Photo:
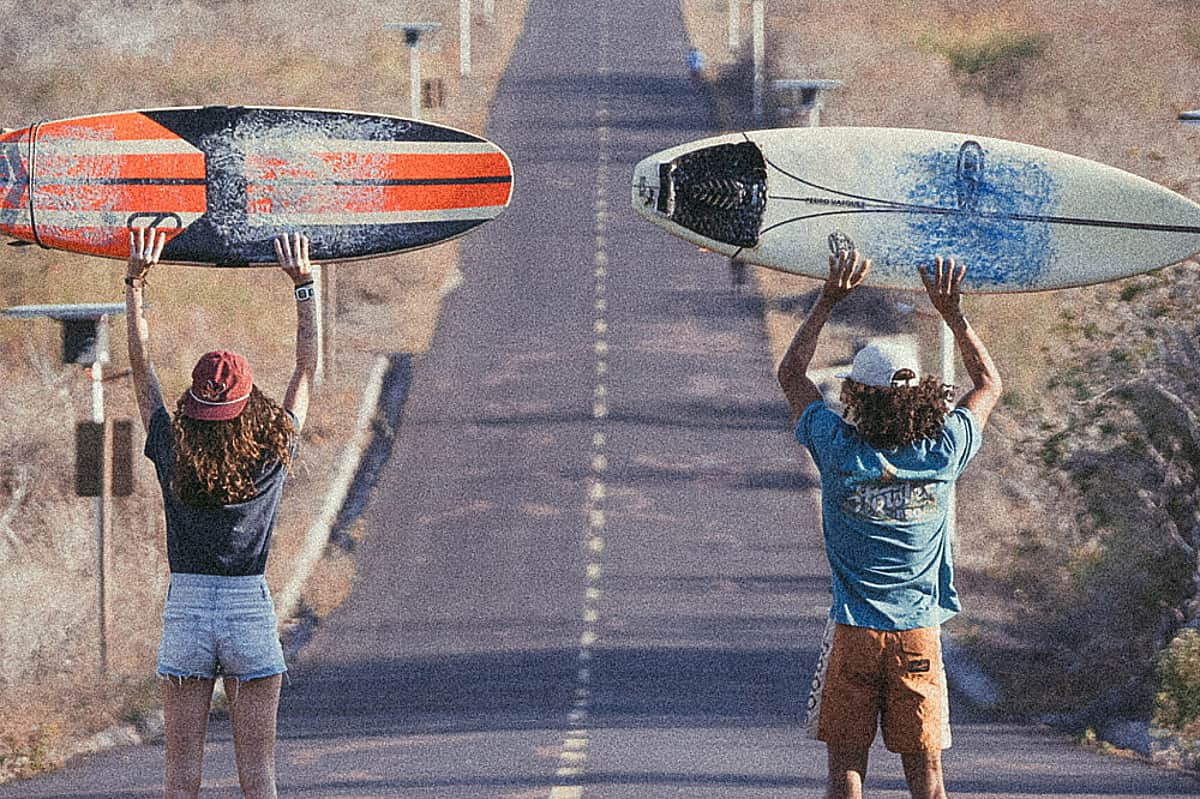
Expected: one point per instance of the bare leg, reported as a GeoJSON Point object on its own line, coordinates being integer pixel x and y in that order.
{"type": "Point", "coordinates": [847, 770]}
{"type": "Point", "coordinates": [185, 710]}
{"type": "Point", "coordinates": [923, 772]}
{"type": "Point", "coordinates": [253, 706]}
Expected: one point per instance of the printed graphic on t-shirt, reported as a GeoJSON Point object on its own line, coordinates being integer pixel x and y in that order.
{"type": "Point", "coordinates": [891, 501]}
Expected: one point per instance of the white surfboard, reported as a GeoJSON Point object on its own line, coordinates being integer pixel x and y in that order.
{"type": "Point", "coordinates": [1022, 218]}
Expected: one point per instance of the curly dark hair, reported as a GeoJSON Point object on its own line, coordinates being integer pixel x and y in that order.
{"type": "Point", "coordinates": [895, 417]}
{"type": "Point", "coordinates": [216, 462]}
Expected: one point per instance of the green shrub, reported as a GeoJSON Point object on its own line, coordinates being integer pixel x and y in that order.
{"type": "Point", "coordinates": [1191, 36]}
{"type": "Point", "coordinates": [1177, 704]}
{"type": "Point", "coordinates": [995, 52]}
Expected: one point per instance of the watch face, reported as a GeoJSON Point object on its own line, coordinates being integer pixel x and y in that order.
{"type": "Point", "coordinates": [304, 293]}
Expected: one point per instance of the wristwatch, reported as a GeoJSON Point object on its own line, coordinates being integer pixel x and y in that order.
{"type": "Point", "coordinates": [305, 292]}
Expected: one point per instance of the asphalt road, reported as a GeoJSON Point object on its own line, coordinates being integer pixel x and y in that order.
{"type": "Point", "coordinates": [592, 566]}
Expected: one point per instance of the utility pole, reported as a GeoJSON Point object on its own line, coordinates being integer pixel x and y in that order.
{"type": "Point", "coordinates": [413, 33]}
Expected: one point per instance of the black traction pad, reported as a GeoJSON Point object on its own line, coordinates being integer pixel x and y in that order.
{"type": "Point", "coordinates": [719, 192]}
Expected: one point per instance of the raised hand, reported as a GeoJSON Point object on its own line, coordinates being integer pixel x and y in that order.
{"type": "Point", "coordinates": [847, 270]}
{"type": "Point", "coordinates": [944, 286]}
{"type": "Point", "coordinates": [291, 252]}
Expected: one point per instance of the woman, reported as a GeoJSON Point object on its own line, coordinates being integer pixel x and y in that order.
{"type": "Point", "coordinates": [221, 460]}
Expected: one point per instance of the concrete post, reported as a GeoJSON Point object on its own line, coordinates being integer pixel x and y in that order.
{"type": "Point", "coordinates": [103, 513]}
{"type": "Point", "coordinates": [414, 83]}
{"type": "Point", "coordinates": [735, 33]}
{"type": "Point", "coordinates": [759, 34]}
{"type": "Point", "coordinates": [947, 342]}
{"type": "Point", "coordinates": [464, 37]}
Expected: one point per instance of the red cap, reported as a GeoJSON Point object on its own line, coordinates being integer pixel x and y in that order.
{"type": "Point", "coordinates": [221, 384]}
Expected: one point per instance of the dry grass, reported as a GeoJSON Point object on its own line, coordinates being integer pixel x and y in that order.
{"type": "Point", "coordinates": [1101, 80]}
{"type": "Point", "coordinates": [193, 52]}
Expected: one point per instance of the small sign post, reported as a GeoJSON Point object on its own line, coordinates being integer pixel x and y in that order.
{"type": "Point", "coordinates": [85, 342]}
{"type": "Point", "coordinates": [413, 33]}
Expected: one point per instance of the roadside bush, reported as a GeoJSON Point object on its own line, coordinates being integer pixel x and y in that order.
{"type": "Point", "coordinates": [992, 63]}
{"type": "Point", "coordinates": [1000, 52]}
{"type": "Point", "coordinates": [1177, 705]}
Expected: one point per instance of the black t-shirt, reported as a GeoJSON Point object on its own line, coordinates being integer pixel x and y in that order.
{"type": "Point", "coordinates": [230, 540]}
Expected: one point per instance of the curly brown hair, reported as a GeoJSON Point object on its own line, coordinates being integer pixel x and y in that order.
{"type": "Point", "coordinates": [216, 462]}
{"type": "Point", "coordinates": [895, 417]}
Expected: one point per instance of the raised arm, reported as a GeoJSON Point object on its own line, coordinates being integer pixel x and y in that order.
{"type": "Point", "coordinates": [292, 255]}
{"type": "Point", "coordinates": [144, 252]}
{"type": "Point", "coordinates": [846, 272]}
{"type": "Point", "coordinates": [943, 288]}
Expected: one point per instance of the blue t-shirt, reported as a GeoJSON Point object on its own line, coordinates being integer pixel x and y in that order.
{"type": "Point", "coordinates": [230, 540]}
{"type": "Point", "coordinates": [884, 518]}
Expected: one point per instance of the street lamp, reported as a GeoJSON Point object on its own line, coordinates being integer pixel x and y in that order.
{"type": "Point", "coordinates": [85, 342]}
{"type": "Point", "coordinates": [413, 33]}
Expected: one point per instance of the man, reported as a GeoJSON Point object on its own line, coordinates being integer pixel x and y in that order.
{"type": "Point", "coordinates": [887, 471]}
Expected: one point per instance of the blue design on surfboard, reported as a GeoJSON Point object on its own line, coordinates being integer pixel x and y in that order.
{"type": "Point", "coordinates": [991, 214]}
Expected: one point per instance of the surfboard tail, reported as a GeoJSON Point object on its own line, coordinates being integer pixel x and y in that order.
{"type": "Point", "coordinates": [718, 192]}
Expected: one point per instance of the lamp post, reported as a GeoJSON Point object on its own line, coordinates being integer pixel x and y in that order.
{"type": "Point", "coordinates": [413, 33]}
{"type": "Point", "coordinates": [85, 342]}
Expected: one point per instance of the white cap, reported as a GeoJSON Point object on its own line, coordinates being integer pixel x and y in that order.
{"type": "Point", "coordinates": [885, 363]}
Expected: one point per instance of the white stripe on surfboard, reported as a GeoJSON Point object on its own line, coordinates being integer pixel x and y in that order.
{"type": "Point", "coordinates": [265, 147]}
{"type": "Point", "coordinates": [299, 221]}
{"type": "Point", "coordinates": [119, 219]}
{"type": "Point", "coordinates": [76, 219]}
{"type": "Point", "coordinates": [316, 145]}
{"type": "Point", "coordinates": [94, 147]}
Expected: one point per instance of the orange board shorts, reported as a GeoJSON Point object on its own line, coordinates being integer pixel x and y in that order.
{"type": "Point", "coordinates": [874, 678]}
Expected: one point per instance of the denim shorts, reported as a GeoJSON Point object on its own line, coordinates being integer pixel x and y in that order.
{"type": "Point", "coordinates": [216, 626]}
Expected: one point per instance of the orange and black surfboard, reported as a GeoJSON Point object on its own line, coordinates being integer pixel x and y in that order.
{"type": "Point", "coordinates": [224, 181]}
